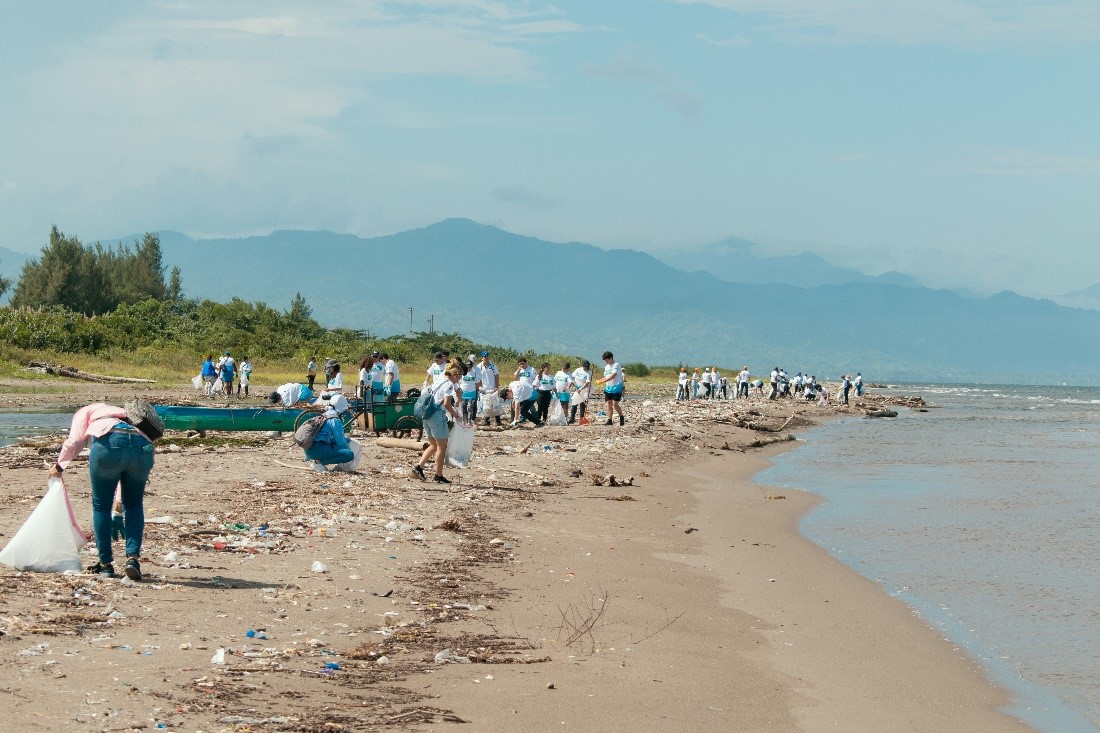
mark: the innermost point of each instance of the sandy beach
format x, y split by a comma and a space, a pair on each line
523, 597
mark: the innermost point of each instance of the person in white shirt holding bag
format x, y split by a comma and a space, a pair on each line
435, 427
488, 379
582, 389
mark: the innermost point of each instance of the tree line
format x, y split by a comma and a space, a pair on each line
93, 279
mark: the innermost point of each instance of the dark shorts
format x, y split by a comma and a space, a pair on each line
613, 396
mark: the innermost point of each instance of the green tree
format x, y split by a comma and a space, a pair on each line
135, 275
175, 286
4, 285
67, 274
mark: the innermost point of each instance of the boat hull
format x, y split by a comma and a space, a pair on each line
182, 417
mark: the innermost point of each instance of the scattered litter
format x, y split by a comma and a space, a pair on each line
318, 567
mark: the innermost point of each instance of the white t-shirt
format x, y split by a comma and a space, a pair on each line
488, 375
561, 381
614, 375
715, 377
364, 376
521, 390
435, 373
378, 375
391, 368
581, 378
546, 382
336, 383
442, 390
292, 392
684, 378
528, 373
469, 386
706, 377
743, 376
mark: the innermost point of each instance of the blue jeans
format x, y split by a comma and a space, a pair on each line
119, 457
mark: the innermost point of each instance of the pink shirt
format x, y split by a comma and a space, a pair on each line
90, 421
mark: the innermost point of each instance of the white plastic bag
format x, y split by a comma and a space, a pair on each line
197, 382
50, 540
557, 414
460, 445
217, 386
490, 405
578, 398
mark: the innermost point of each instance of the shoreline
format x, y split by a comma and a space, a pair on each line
650, 611
796, 639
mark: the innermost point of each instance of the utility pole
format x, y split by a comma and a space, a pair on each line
431, 324
410, 310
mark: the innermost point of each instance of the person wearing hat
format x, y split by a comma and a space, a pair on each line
121, 454
311, 371
331, 449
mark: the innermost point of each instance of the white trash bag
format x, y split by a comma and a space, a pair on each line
50, 540
557, 415
578, 398
460, 445
490, 406
197, 382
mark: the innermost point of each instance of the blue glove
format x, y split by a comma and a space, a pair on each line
118, 526
386, 390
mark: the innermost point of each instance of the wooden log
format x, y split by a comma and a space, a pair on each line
402, 443
74, 373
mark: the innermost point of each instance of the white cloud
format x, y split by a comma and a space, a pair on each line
915, 22
734, 41
666, 86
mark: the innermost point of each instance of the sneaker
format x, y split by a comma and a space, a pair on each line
104, 569
608, 421
441, 479
513, 423
621, 420
419, 471
132, 569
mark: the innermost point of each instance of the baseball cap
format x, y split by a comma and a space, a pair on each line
484, 353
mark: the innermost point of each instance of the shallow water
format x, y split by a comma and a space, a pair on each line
983, 515
19, 423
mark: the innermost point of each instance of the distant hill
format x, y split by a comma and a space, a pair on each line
1087, 298
739, 260
571, 297
11, 266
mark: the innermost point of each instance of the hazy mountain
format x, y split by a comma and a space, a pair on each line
739, 260
1088, 298
576, 298
11, 267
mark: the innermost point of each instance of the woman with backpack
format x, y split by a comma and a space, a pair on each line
436, 409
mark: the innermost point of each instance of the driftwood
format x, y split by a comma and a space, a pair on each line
882, 413
417, 445
58, 370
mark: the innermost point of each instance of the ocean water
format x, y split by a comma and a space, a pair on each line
19, 423
983, 513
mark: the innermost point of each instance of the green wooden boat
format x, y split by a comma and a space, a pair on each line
185, 417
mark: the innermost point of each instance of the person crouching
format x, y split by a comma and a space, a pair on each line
331, 449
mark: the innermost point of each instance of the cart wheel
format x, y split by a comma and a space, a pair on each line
302, 417
348, 419
405, 426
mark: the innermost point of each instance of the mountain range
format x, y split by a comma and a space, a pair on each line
799, 312
522, 292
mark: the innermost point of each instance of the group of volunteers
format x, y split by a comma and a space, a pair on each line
217, 378
710, 384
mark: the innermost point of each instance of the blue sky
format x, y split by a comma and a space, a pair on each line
954, 140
